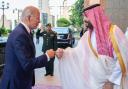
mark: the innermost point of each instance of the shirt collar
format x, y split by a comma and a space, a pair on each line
28, 30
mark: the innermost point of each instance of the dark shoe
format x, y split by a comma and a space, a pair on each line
46, 74
51, 74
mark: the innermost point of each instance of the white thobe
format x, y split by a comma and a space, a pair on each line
81, 69
126, 33
116, 74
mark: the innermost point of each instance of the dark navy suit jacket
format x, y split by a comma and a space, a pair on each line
20, 60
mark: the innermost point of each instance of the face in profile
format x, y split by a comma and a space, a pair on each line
34, 20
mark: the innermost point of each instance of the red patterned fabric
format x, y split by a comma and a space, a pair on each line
101, 26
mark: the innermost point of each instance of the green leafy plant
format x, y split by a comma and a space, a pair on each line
4, 31
63, 22
9, 30
76, 13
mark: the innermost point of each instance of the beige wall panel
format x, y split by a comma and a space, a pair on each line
117, 11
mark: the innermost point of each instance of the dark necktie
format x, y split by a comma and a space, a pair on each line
31, 35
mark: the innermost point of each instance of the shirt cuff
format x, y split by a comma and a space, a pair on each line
47, 56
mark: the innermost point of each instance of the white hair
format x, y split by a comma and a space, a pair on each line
28, 11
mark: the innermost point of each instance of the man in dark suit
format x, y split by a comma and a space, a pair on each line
49, 42
20, 60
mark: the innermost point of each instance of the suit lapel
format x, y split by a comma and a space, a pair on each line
29, 35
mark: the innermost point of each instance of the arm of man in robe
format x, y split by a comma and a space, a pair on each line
115, 78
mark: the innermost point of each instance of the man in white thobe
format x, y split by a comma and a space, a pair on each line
99, 61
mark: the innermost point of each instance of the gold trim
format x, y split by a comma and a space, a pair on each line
116, 49
90, 44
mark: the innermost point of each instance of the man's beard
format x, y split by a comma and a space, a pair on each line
85, 29
89, 26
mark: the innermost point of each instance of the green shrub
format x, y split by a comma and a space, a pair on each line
9, 30
4, 31
63, 22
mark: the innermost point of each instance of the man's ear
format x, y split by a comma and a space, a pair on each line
29, 17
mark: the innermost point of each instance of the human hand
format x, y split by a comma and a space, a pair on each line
51, 53
59, 53
41, 27
108, 85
